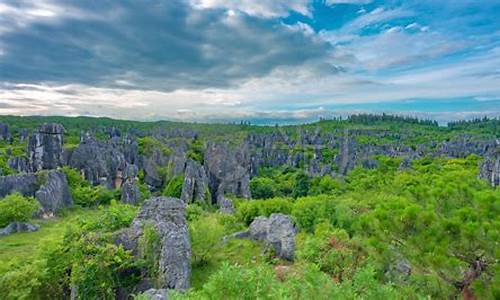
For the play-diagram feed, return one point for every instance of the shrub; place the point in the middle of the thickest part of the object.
(174, 187)
(206, 234)
(16, 208)
(248, 210)
(262, 188)
(149, 250)
(332, 251)
(88, 196)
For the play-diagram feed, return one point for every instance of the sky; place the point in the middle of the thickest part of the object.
(259, 60)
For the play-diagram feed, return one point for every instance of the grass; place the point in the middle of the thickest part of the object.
(21, 246)
(237, 251)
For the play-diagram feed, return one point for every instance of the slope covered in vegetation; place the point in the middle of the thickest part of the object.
(385, 208)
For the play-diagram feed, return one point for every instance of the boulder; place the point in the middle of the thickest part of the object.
(168, 217)
(195, 186)
(277, 232)
(45, 147)
(18, 227)
(54, 194)
(26, 184)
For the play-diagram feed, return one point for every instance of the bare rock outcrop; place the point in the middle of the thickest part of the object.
(195, 186)
(228, 170)
(45, 147)
(101, 163)
(54, 194)
(26, 185)
(168, 217)
(4, 132)
(490, 170)
(18, 227)
(277, 232)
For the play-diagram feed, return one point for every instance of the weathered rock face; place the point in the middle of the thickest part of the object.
(100, 162)
(154, 294)
(278, 232)
(4, 132)
(225, 205)
(24, 184)
(23, 134)
(18, 227)
(490, 170)
(228, 170)
(19, 163)
(45, 148)
(114, 132)
(131, 193)
(168, 217)
(131, 150)
(195, 186)
(54, 194)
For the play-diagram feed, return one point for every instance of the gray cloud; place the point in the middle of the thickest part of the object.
(164, 45)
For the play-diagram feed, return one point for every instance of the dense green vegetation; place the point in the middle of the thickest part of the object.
(355, 231)
(16, 208)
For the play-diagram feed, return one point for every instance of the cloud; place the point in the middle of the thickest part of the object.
(355, 2)
(226, 60)
(162, 45)
(261, 8)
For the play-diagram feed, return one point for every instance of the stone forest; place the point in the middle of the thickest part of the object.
(369, 206)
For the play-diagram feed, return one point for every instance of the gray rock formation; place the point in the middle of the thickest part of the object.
(100, 162)
(277, 232)
(225, 205)
(114, 132)
(19, 163)
(24, 134)
(45, 147)
(168, 217)
(195, 186)
(18, 227)
(54, 194)
(156, 294)
(228, 170)
(490, 170)
(4, 132)
(26, 185)
(131, 193)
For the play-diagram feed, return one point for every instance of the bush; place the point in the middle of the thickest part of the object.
(149, 250)
(262, 188)
(248, 210)
(16, 208)
(174, 187)
(332, 251)
(88, 196)
(206, 234)
(86, 257)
